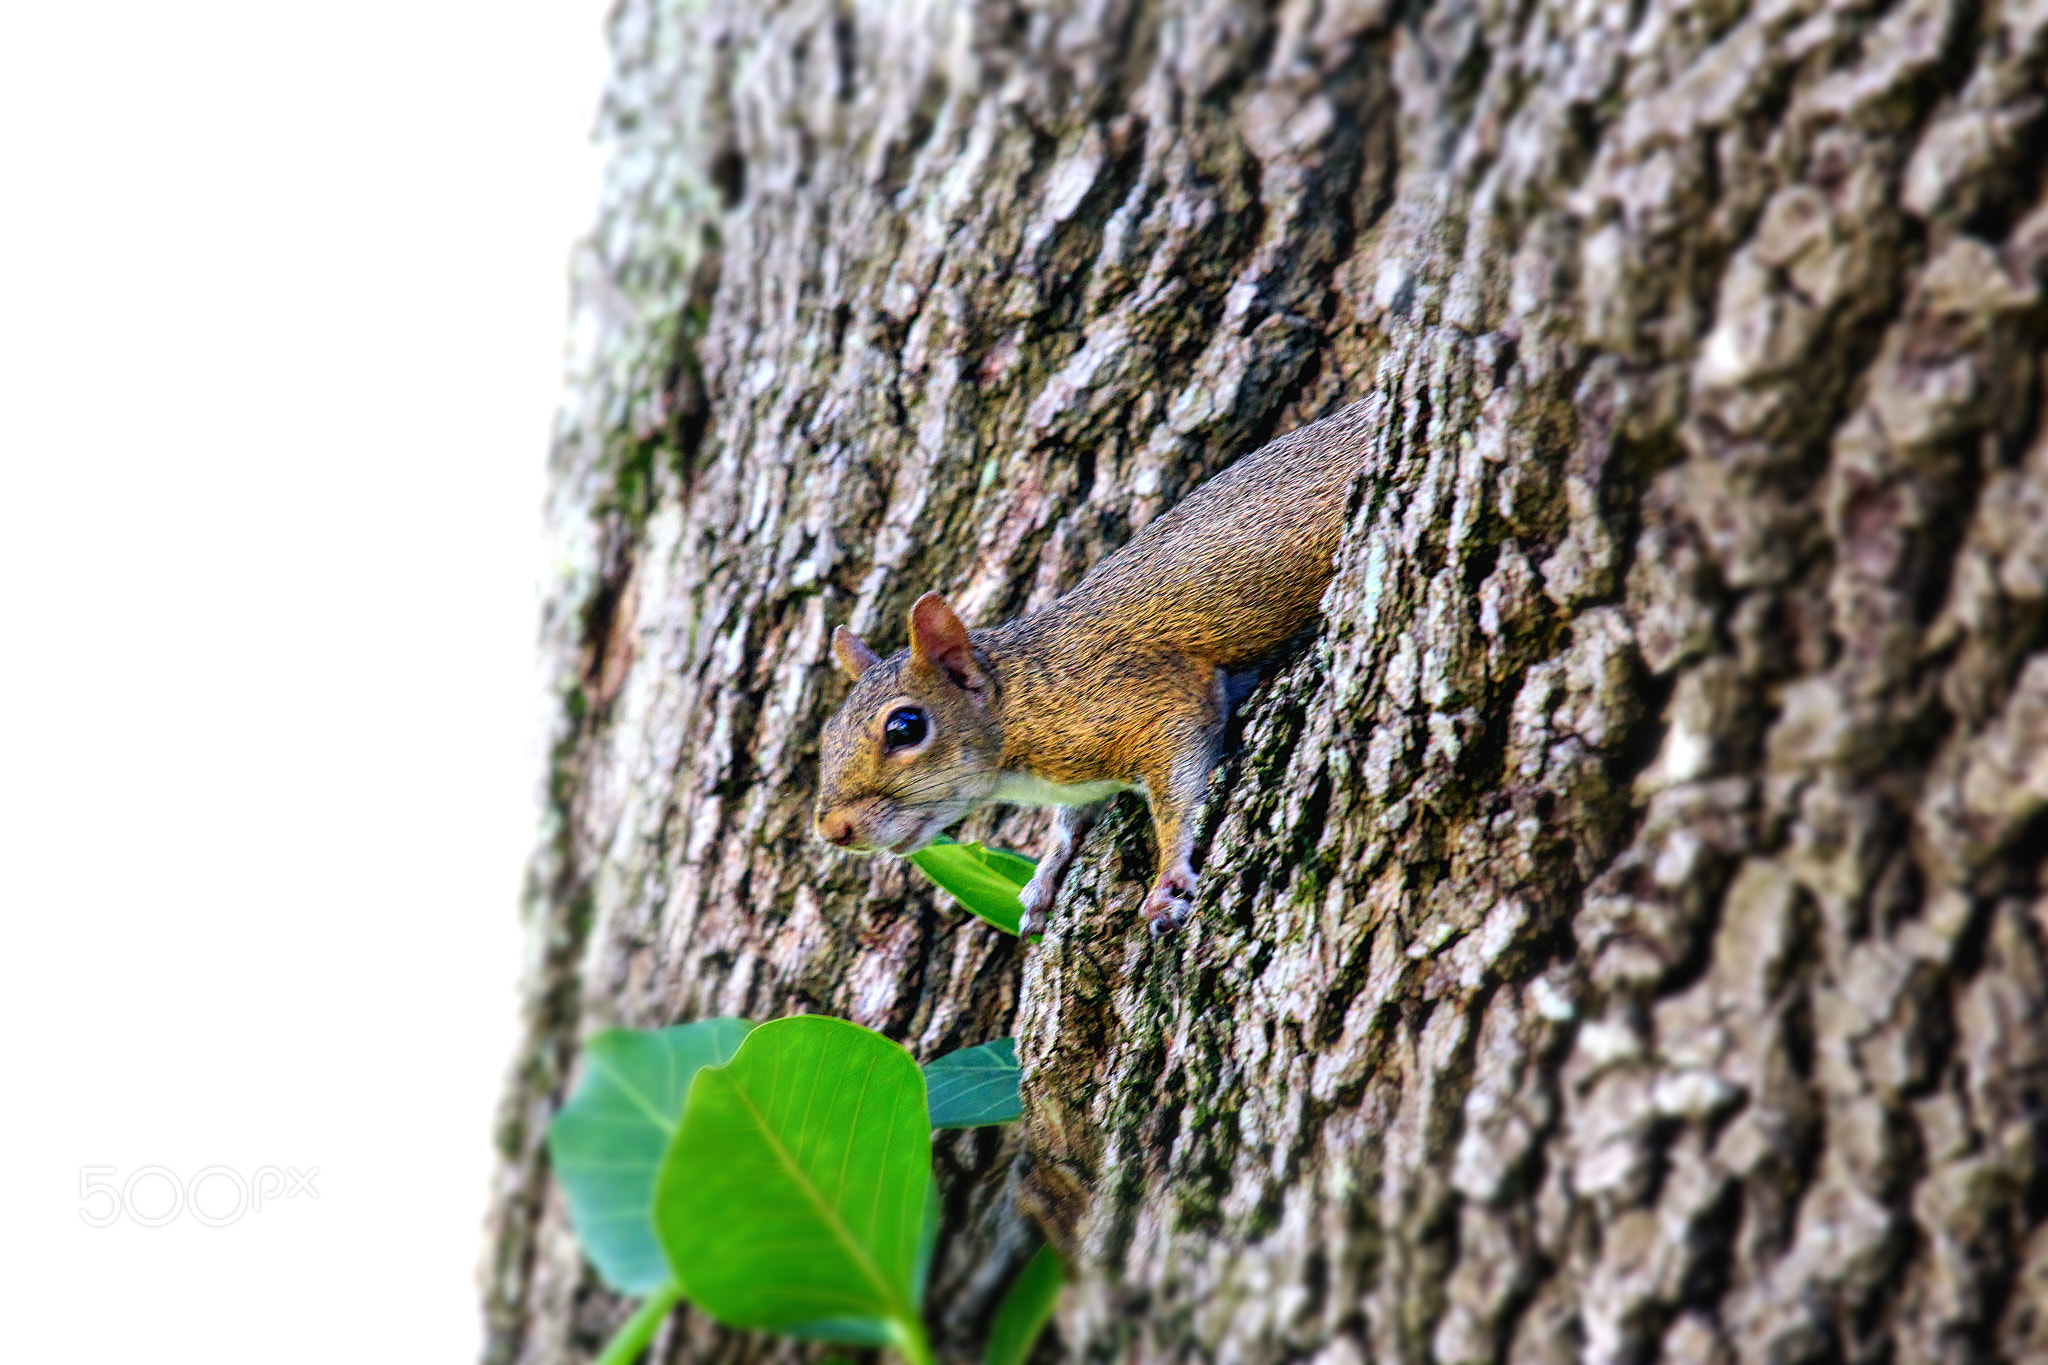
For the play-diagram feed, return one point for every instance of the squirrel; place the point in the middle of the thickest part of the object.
(1125, 683)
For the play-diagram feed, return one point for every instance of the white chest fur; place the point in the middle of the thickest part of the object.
(1022, 789)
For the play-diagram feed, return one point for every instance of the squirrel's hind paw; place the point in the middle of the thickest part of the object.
(1172, 901)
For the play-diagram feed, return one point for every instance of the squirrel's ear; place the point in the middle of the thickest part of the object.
(939, 641)
(852, 653)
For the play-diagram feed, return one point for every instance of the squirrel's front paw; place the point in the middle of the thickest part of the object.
(1172, 900)
(1036, 897)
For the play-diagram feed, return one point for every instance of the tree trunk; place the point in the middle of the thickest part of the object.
(1622, 930)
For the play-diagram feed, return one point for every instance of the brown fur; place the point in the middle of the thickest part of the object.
(1120, 680)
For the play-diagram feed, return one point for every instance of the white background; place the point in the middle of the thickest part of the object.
(282, 294)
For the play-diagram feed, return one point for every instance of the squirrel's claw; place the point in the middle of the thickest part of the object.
(1036, 900)
(1172, 901)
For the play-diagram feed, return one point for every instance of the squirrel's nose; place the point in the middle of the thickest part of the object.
(836, 827)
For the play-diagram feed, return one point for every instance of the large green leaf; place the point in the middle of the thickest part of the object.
(1023, 1312)
(975, 1085)
(984, 880)
(795, 1193)
(868, 1331)
(607, 1142)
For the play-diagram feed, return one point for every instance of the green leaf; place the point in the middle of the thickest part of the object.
(1010, 866)
(795, 1192)
(866, 1331)
(1025, 1309)
(984, 880)
(871, 1332)
(927, 1238)
(607, 1142)
(975, 1085)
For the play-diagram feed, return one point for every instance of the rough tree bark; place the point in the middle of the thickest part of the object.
(1622, 933)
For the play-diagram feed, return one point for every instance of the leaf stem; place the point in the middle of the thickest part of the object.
(629, 1341)
(910, 1340)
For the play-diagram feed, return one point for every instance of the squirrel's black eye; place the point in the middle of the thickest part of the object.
(906, 726)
